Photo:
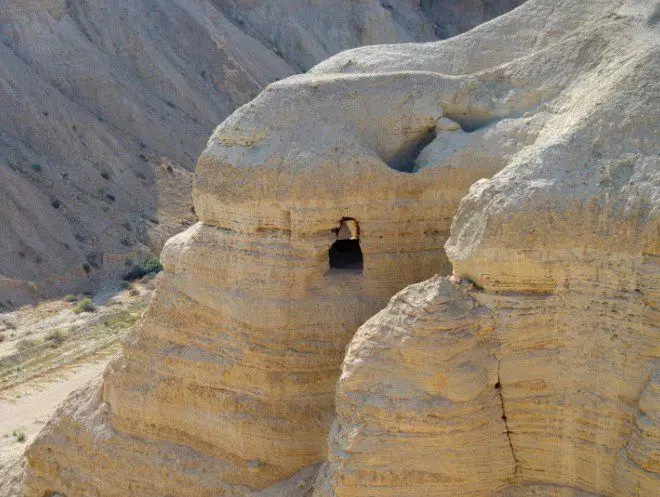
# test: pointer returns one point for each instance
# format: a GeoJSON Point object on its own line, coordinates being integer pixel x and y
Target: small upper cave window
{"type": "Point", "coordinates": [345, 253]}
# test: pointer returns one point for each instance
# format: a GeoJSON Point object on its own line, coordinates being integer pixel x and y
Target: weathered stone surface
{"type": "Point", "coordinates": [562, 246]}
{"type": "Point", "coordinates": [235, 362]}
{"type": "Point", "coordinates": [538, 381]}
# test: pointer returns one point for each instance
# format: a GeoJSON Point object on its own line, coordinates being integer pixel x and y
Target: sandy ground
{"type": "Point", "coordinates": [28, 406]}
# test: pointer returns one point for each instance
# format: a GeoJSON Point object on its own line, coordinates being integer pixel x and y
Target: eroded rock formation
{"type": "Point", "coordinates": [542, 379]}
{"type": "Point", "coordinates": [539, 380]}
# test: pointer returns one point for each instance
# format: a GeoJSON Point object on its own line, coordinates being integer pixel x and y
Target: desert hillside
{"type": "Point", "coordinates": [106, 105]}
{"type": "Point", "coordinates": [418, 270]}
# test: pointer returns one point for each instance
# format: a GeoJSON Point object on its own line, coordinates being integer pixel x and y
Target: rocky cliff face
{"type": "Point", "coordinates": [538, 374]}
{"type": "Point", "coordinates": [107, 104]}
{"type": "Point", "coordinates": [532, 371]}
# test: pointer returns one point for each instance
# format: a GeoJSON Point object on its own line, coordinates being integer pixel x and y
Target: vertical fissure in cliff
{"type": "Point", "coordinates": [345, 254]}
{"type": "Point", "coordinates": [498, 387]}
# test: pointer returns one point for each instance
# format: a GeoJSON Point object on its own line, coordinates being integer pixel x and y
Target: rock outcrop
{"type": "Point", "coordinates": [106, 105]}
{"type": "Point", "coordinates": [531, 372]}
{"type": "Point", "coordinates": [538, 375]}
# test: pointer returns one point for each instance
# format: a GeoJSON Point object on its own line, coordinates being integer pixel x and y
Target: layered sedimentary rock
{"type": "Point", "coordinates": [236, 360]}
{"type": "Point", "coordinates": [538, 374]}
{"type": "Point", "coordinates": [333, 190]}
{"type": "Point", "coordinates": [226, 386]}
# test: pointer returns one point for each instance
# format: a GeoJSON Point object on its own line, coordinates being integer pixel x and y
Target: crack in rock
{"type": "Point", "coordinates": [498, 387]}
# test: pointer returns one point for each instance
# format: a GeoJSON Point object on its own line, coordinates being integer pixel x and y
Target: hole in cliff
{"type": "Point", "coordinates": [471, 123]}
{"type": "Point", "coordinates": [498, 386]}
{"type": "Point", "coordinates": [469, 120]}
{"type": "Point", "coordinates": [345, 253]}
{"type": "Point", "coordinates": [404, 159]}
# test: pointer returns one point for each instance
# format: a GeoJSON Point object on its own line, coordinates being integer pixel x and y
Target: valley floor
{"type": "Point", "coordinates": [49, 350]}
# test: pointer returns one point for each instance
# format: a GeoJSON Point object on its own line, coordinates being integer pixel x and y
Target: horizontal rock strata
{"type": "Point", "coordinates": [334, 190]}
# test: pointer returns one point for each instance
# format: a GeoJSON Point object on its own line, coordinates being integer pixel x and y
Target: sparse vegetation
{"type": "Point", "coordinates": [19, 435]}
{"type": "Point", "coordinates": [55, 337]}
{"type": "Point", "coordinates": [36, 167]}
{"type": "Point", "coordinates": [149, 266]}
{"type": "Point", "coordinates": [85, 305]}
{"type": "Point", "coordinates": [70, 298]}
{"type": "Point", "coordinates": [202, 73]}
{"type": "Point", "coordinates": [128, 261]}
{"type": "Point", "coordinates": [134, 292]}
{"type": "Point", "coordinates": [126, 285]}
{"type": "Point", "coordinates": [25, 344]}
{"type": "Point", "coordinates": [100, 190]}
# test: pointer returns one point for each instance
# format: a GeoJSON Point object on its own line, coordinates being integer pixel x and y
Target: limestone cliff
{"type": "Point", "coordinates": [538, 375]}
{"type": "Point", "coordinates": [531, 372]}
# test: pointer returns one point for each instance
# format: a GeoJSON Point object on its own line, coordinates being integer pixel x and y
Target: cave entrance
{"type": "Point", "coordinates": [345, 253]}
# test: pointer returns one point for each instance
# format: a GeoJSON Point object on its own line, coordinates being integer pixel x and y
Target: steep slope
{"type": "Point", "coordinates": [107, 104]}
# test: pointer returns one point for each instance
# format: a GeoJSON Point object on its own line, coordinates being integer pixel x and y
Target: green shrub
{"type": "Point", "coordinates": [70, 298]}
{"type": "Point", "coordinates": [35, 166]}
{"type": "Point", "coordinates": [85, 305]}
{"type": "Point", "coordinates": [149, 266]}
{"type": "Point", "coordinates": [126, 285]}
{"type": "Point", "coordinates": [105, 175]}
{"type": "Point", "coordinates": [19, 435]}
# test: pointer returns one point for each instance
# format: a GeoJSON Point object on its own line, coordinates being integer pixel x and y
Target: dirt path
{"type": "Point", "coordinates": [27, 407]}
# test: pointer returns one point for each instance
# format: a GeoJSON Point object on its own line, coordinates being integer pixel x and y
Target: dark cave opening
{"type": "Point", "coordinates": [345, 253]}
{"type": "Point", "coordinates": [404, 159]}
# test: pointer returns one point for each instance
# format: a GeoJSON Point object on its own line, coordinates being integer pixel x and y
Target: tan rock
{"type": "Point", "coordinates": [562, 249]}
{"type": "Point", "coordinates": [236, 360]}
{"type": "Point", "coordinates": [226, 386]}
